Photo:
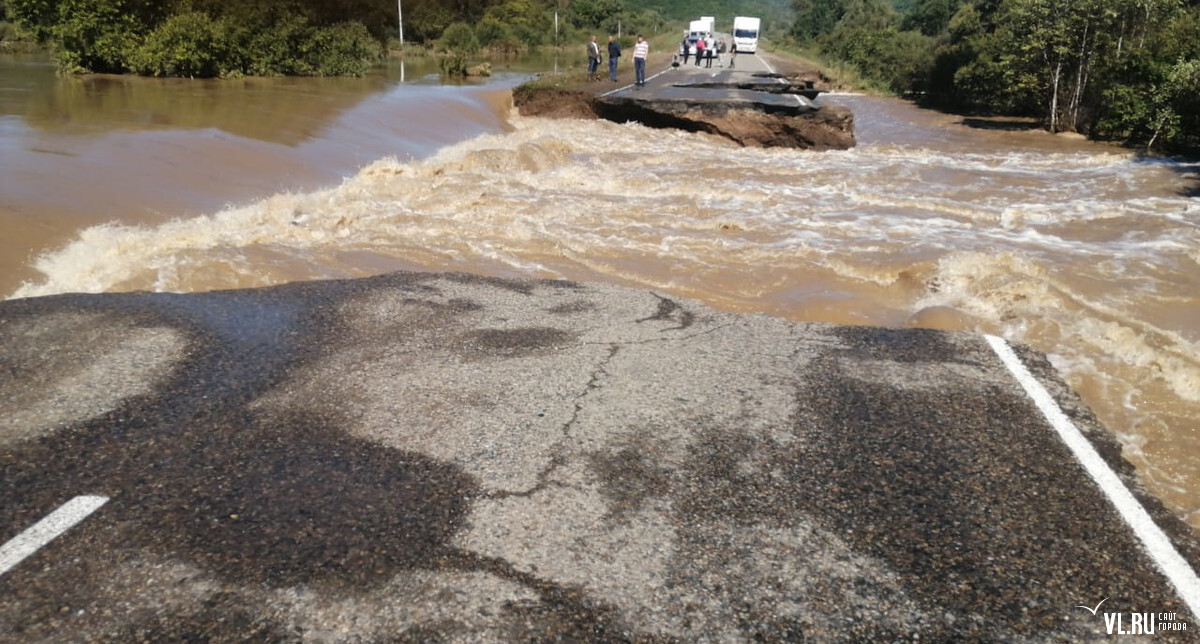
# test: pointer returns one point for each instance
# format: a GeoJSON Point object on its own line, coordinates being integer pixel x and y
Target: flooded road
{"type": "Point", "coordinates": [1084, 251]}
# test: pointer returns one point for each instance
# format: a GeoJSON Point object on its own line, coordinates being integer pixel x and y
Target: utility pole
{"type": "Point", "coordinates": [400, 18]}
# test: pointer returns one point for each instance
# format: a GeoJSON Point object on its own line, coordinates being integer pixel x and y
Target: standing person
{"type": "Point", "coordinates": [732, 54]}
{"type": "Point", "coordinates": [699, 50]}
{"type": "Point", "coordinates": [686, 50]}
{"type": "Point", "coordinates": [614, 53]}
{"type": "Point", "coordinates": [593, 49]}
{"type": "Point", "coordinates": [640, 51]}
{"type": "Point", "coordinates": [709, 50]}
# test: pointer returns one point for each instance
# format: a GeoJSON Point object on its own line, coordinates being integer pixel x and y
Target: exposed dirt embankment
{"type": "Point", "coordinates": [742, 118]}
{"type": "Point", "coordinates": [555, 102]}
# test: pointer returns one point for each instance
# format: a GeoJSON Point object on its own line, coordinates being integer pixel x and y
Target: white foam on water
{"type": "Point", "coordinates": [1086, 256]}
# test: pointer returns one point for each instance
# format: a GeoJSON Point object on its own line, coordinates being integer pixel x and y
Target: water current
{"type": "Point", "coordinates": [1086, 252]}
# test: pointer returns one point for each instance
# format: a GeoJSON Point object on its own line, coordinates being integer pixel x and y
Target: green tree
{"type": "Point", "coordinates": [40, 17]}
{"type": "Point", "coordinates": [460, 38]}
{"type": "Point", "coordinates": [186, 44]}
{"type": "Point", "coordinates": [930, 17]}
{"type": "Point", "coordinates": [816, 17]}
{"type": "Point", "coordinates": [526, 21]}
{"type": "Point", "coordinates": [345, 49]}
{"type": "Point", "coordinates": [1148, 91]}
{"type": "Point", "coordinates": [595, 14]}
{"type": "Point", "coordinates": [426, 21]}
{"type": "Point", "coordinates": [101, 35]}
{"type": "Point", "coordinates": [967, 71]}
{"type": "Point", "coordinates": [492, 33]}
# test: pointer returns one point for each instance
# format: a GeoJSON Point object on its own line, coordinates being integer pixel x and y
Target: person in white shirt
{"type": "Point", "coordinates": [640, 51]}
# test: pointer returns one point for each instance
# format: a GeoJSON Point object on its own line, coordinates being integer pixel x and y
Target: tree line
{"type": "Point", "coordinates": [200, 38]}
{"type": "Point", "coordinates": [1125, 70]}
{"type": "Point", "coordinates": [229, 38]}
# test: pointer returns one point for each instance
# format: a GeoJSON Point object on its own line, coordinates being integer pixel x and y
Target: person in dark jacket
{"type": "Point", "coordinates": [614, 54]}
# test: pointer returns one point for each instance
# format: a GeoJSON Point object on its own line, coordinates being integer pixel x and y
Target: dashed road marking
{"type": "Point", "coordinates": [1156, 542]}
{"type": "Point", "coordinates": [46, 530]}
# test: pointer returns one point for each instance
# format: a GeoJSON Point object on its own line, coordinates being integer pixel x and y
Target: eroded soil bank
{"type": "Point", "coordinates": [743, 107]}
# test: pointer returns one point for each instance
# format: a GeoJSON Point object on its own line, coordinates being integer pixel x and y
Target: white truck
{"type": "Point", "coordinates": [745, 34]}
{"type": "Point", "coordinates": [710, 23]}
{"type": "Point", "coordinates": [697, 29]}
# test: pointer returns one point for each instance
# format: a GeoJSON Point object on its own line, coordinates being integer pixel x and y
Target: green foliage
{"type": "Point", "coordinates": [14, 35]}
{"type": "Point", "coordinates": [530, 24]}
{"type": "Point", "coordinates": [38, 16]}
{"type": "Point", "coordinates": [491, 32]}
{"type": "Point", "coordinates": [187, 44]}
{"type": "Point", "coordinates": [930, 17]}
{"type": "Point", "coordinates": [1122, 69]}
{"type": "Point", "coordinates": [200, 37]}
{"type": "Point", "coordinates": [816, 17]}
{"type": "Point", "coordinates": [101, 35]}
{"type": "Point", "coordinates": [308, 37]}
{"type": "Point", "coordinates": [427, 22]}
{"type": "Point", "coordinates": [600, 15]}
{"type": "Point", "coordinates": [867, 36]}
{"type": "Point", "coordinates": [345, 49]}
{"type": "Point", "coordinates": [1177, 117]}
{"type": "Point", "coordinates": [454, 66]}
{"type": "Point", "coordinates": [459, 38]}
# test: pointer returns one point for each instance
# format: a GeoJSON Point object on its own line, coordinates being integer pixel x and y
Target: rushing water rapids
{"type": "Point", "coordinates": [1084, 251]}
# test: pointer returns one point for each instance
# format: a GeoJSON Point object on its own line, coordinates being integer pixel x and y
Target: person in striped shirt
{"type": "Point", "coordinates": [640, 51]}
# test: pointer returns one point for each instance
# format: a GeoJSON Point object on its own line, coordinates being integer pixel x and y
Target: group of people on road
{"type": "Point", "coordinates": [705, 49]}
{"type": "Point", "coordinates": [640, 51]}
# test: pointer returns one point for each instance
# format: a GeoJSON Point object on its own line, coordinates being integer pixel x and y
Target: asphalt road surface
{"type": "Point", "coordinates": [720, 83]}
{"type": "Point", "coordinates": [428, 457]}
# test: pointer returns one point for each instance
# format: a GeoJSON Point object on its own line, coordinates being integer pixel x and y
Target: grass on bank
{"type": "Point", "coordinates": [15, 40]}
{"type": "Point", "coordinates": [841, 76]}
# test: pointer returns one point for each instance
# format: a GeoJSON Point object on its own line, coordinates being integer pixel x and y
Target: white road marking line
{"type": "Point", "coordinates": [799, 99]}
{"type": "Point", "coordinates": [1156, 542]}
{"type": "Point", "coordinates": [46, 530]}
{"type": "Point", "coordinates": [770, 70]}
{"type": "Point", "coordinates": [627, 86]}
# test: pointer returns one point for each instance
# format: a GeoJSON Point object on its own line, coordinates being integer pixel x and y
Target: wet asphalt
{"type": "Point", "coordinates": [442, 457]}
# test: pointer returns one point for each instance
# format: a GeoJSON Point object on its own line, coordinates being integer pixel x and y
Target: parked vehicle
{"type": "Point", "coordinates": [697, 29]}
{"type": "Point", "coordinates": [745, 34]}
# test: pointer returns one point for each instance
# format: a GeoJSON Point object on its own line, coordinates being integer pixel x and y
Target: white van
{"type": "Point", "coordinates": [745, 34]}
{"type": "Point", "coordinates": [697, 29]}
